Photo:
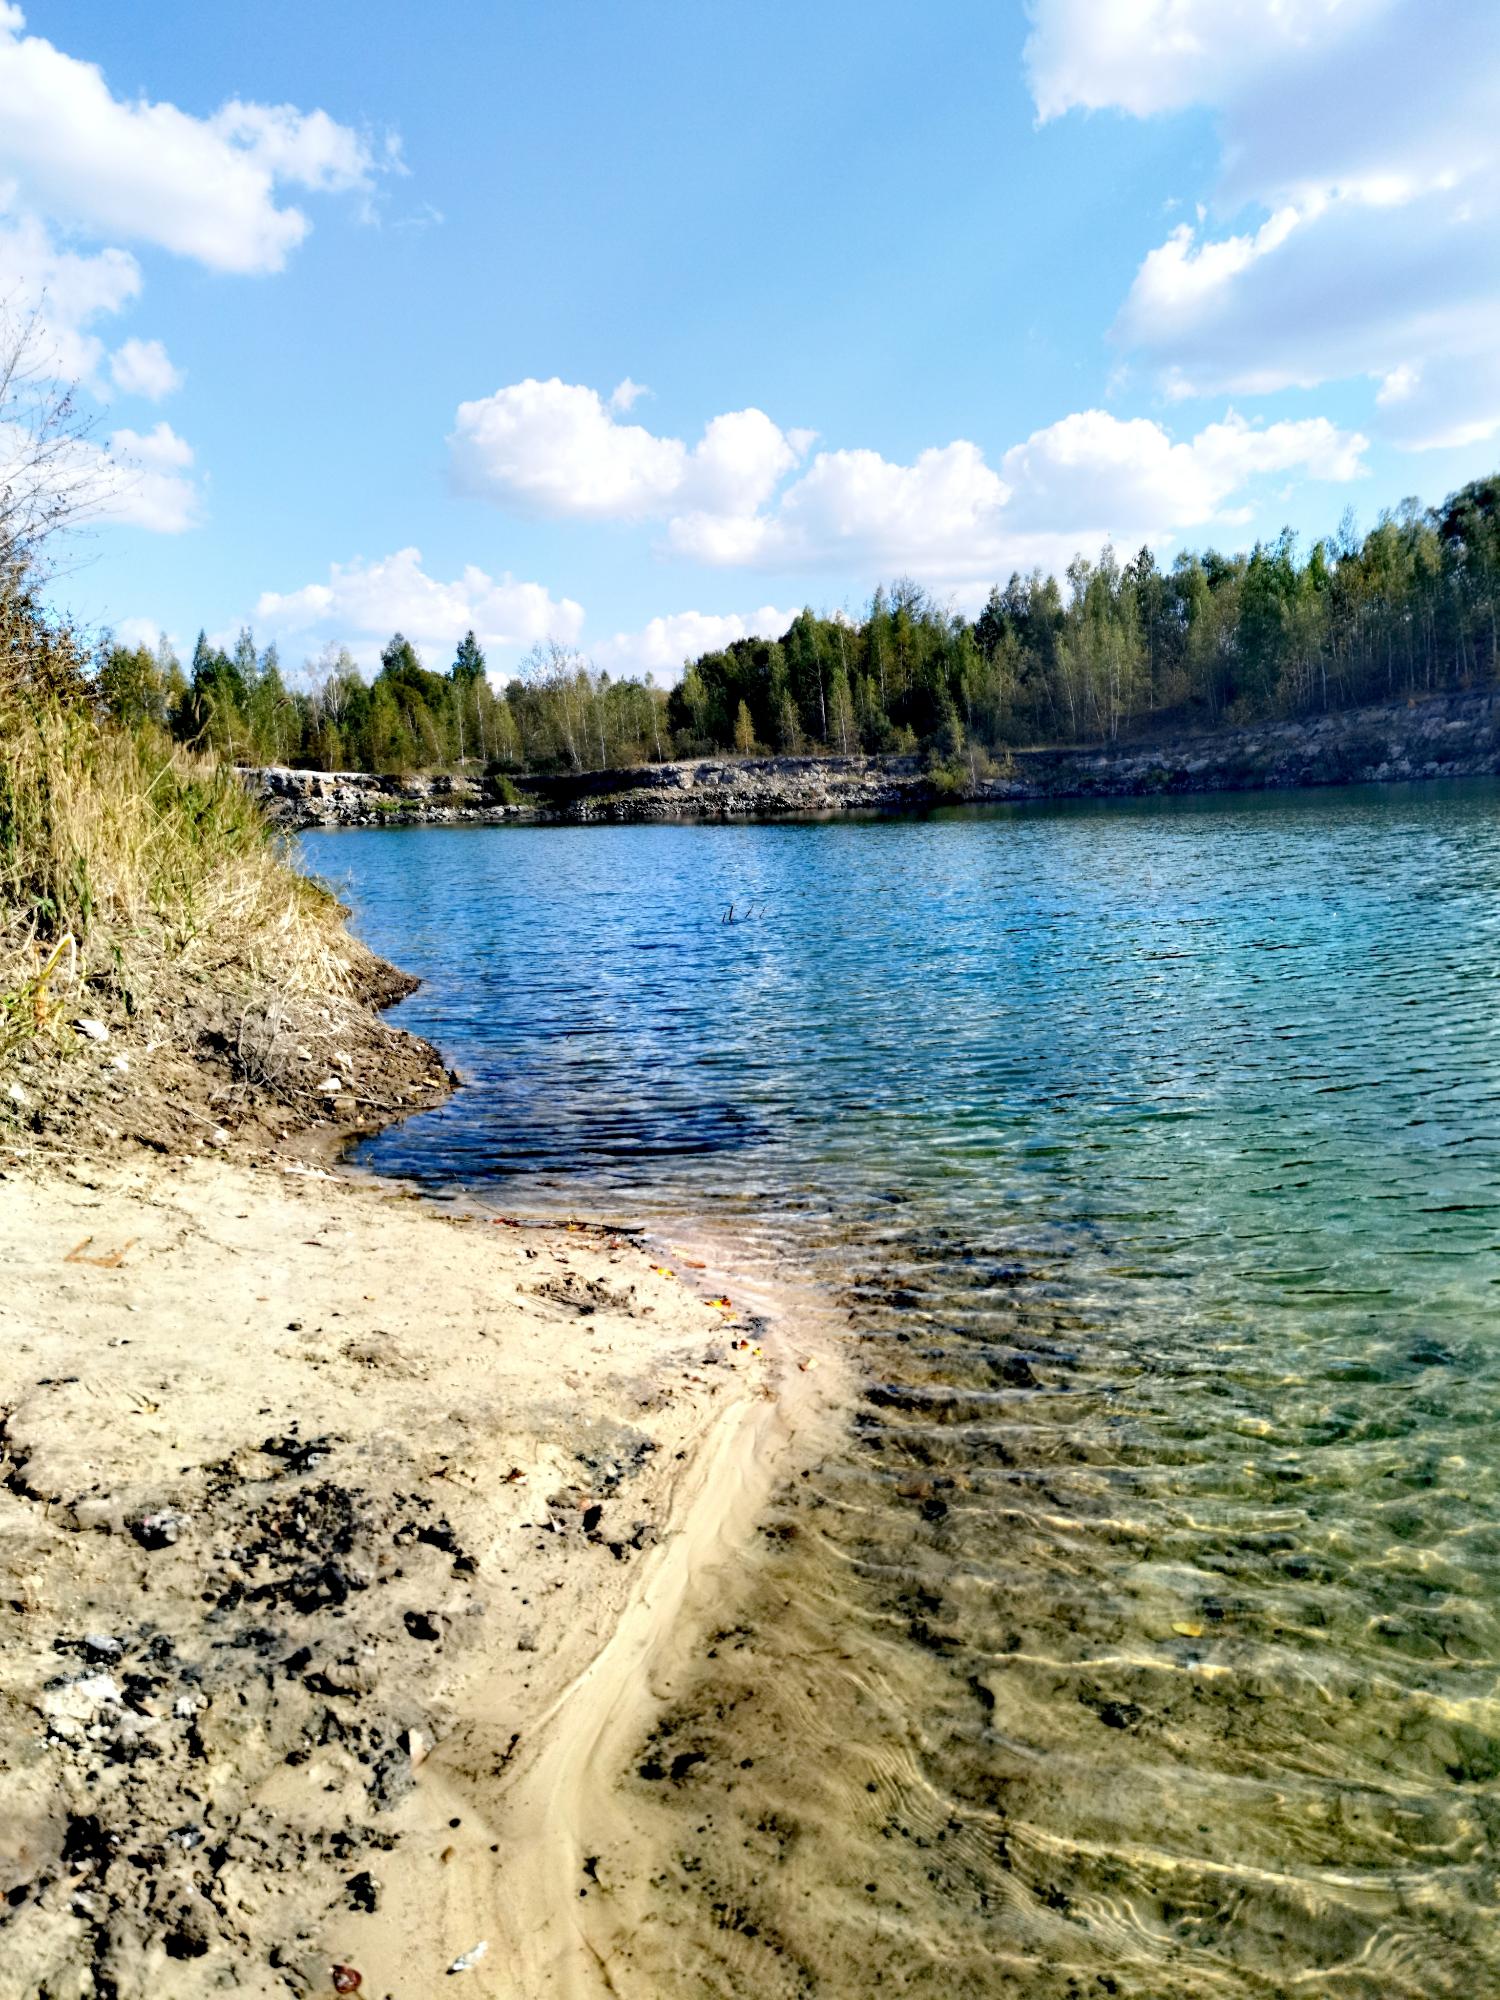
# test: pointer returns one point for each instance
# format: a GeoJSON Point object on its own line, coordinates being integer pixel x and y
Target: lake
{"type": "Point", "coordinates": [1141, 1638]}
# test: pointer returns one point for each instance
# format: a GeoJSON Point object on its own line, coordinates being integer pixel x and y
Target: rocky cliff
{"type": "Point", "coordinates": [1448, 736]}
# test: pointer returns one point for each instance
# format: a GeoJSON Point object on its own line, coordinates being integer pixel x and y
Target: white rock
{"type": "Point", "coordinates": [93, 1031]}
{"type": "Point", "coordinates": [330, 1086]}
{"type": "Point", "coordinates": [15, 1093]}
{"type": "Point", "coordinates": [81, 1700]}
{"type": "Point", "coordinates": [119, 1062]}
{"type": "Point", "coordinates": [470, 1958]}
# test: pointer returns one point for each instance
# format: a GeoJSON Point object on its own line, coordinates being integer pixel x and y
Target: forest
{"type": "Point", "coordinates": [1112, 650]}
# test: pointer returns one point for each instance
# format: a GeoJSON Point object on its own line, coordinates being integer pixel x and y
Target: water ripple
{"type": "Point", "coordinates": [1143, 1637]}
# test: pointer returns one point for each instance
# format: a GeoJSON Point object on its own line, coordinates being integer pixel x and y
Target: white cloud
{"type": "Point", "coordinates": [67, 289]}
{"type": "Point", "coordinates": [144, 368]}
{"type": "Point", "coordinates": [743, 496]}
{"type": "Point", "coordinates": [662, 646]}
{"type": "Point", "coordinates": [140, 632]}
{"type": "Point", "coordinates": [151, 482]}
{"type": "Point", "coordinates": [857, 505]}
{"type": "Point", "coordinates": [949, 516]}
{"type": "Point", "coordinates": [627, 394]}
{"type": "Point", "coordinates": [556, 448]}
{"type": "Point", "coordinates": [80, 166]}
{"type": "Point", "coordinates": [206, 188]}
{"type": "Point", "coordinates": [1407, 298]}
{"type": "Point", "coordinates": [363, 603]}
{"type": "Point", "coordinates": [1145, 56]}
{"type": "Point", "coordinates": [1367, 133]}
{"type": "Point", "coordinates": [1129, 477]}
{"type": "Point", "coordinates": [142, 479]}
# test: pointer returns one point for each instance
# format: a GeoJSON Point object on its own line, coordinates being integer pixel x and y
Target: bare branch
{"type": "Point", "coordinates": [52, 474]}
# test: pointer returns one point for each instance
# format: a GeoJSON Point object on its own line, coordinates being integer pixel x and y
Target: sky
{"type": "Point", "coordinates": [638, 326]}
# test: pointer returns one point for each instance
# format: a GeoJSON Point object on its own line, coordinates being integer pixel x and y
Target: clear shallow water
{"type": "Point", "coordinates": [1142, 1637]}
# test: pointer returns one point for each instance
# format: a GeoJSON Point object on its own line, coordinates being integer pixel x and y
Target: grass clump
{"type": "Point", "coordinates": [128, 864]}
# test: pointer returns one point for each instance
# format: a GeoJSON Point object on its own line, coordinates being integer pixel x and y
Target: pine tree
{"type": "Point", "coordinates": [468, 661]}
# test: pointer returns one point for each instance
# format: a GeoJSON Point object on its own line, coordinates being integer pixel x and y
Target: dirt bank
{"type": "Point", "coordinates": [201, 1066]}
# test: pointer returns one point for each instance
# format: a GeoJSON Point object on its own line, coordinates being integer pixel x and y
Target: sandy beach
{"type": "Point", "coordinates": [347, 1546]}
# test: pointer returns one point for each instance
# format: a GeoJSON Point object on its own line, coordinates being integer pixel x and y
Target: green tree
{"type": "Point", "coordinates": [130, 684]}
{"type": "Point", "coordinates": [468, 661]}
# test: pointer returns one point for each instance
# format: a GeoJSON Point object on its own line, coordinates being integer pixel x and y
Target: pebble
{"type": "Point", "coordinates": [91, 1030]}
{"type": "Point", "coordinates": [159, 1531]}
{"type": "Point", "coordinates": [466, 1961]}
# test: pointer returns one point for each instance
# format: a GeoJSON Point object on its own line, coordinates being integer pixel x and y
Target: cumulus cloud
{"type": "Point", "coordinates": [1127, 473]}
{"type": "Point", "coordinates": [557, 448]}
{"type": "Point", "coordinates": [1367, 135]}
{"type": "Point", "coordinates": [665, 644]}
{"type": "Point", "coordinates": [1076, 483]}
{"type": "Point", "coordinates": [83, 172]}
{"type": "Point", "coordinates": [1408, 299]}
{"type": "Point", "coordinates": [144, 479]}
{"type": "Point", "coordinates": [68, 290]}
{"type": "Point", "coordinates": [207, 188]}
{"type": "Point", "coordinates": [747, 496]}
{"type": "Point", "coordinates": [859, 504]}
{"type": "Point", "coordinates": [363, 603]}
{"type": "Point", "coordinates": [144, 368]}
{"type": "Point", "coordinates": [151, 483]}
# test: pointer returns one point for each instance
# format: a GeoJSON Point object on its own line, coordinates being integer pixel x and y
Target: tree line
{"type": "Point", "coordinates": [1112, 649]}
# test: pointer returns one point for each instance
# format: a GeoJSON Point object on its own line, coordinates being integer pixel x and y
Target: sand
{"type": "Point", "coordinates": [346, 1547]}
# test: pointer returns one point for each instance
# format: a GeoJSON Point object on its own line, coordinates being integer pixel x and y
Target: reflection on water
{"type": "Point", "coordinates": [1142, 1637]}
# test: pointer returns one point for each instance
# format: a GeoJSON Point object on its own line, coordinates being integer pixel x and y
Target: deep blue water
{"type": "Point", "coordinates": [1153, 1152]}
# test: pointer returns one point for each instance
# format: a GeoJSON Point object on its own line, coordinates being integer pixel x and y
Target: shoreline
{"type": "Point", "coordinates": [347, 1536]}
{"type": "Point", "coordinates": [1449, 735]}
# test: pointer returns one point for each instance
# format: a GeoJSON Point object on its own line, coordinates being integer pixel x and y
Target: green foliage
{"type": "Point", "coordinates": [1114, 648]}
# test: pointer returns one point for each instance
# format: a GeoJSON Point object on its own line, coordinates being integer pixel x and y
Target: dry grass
{"type": "Point", "coordinates": [127, 865]}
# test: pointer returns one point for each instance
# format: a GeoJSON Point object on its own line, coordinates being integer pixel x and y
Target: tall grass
{"type": "Point", "coordinates": [128, 866]}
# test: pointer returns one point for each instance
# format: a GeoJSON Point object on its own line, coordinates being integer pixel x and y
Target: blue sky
{"type": "Point", "coordinates": [639, 326]}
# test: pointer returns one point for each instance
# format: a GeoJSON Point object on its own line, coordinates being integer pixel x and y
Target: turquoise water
{"type": "Point", "coordinates": [1142, 1636]}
